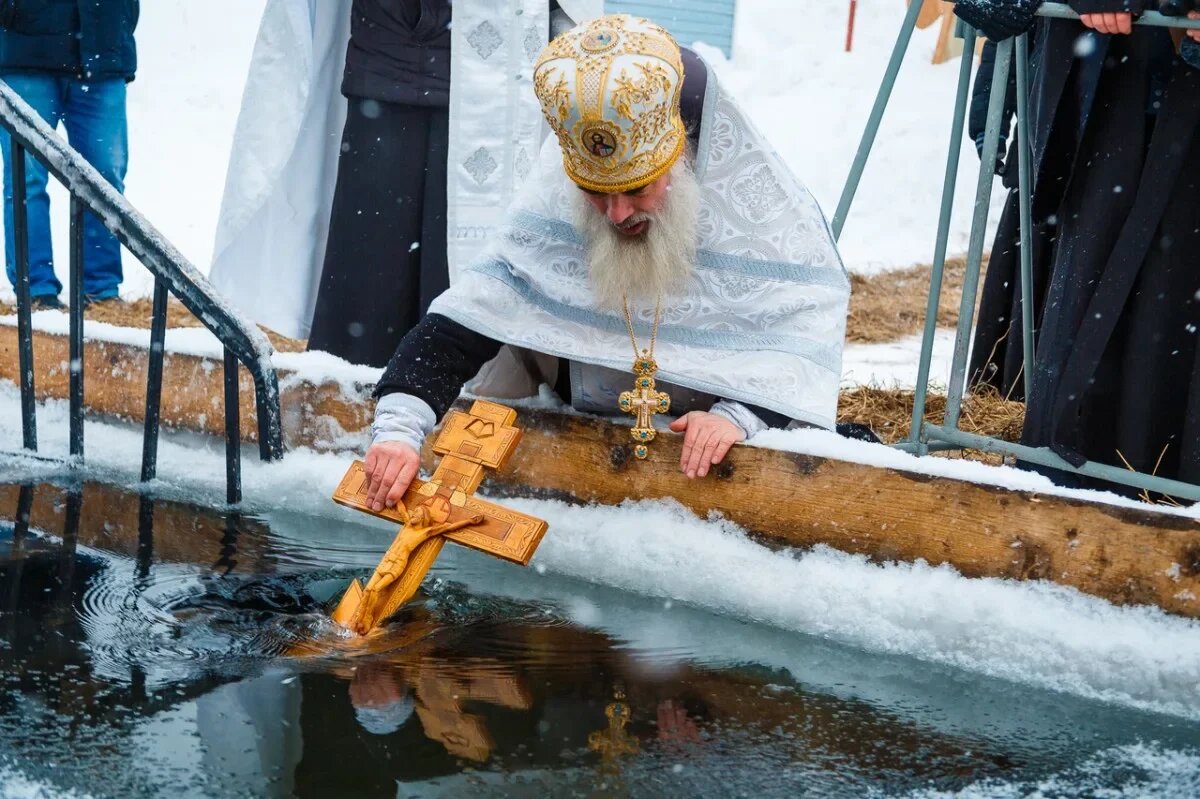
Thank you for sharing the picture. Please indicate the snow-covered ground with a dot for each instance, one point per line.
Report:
(789, 71)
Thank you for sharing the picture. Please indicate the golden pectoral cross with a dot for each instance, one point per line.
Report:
(614, 741)
(440, 509)
(644, 402)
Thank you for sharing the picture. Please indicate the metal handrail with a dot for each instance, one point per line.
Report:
(173, 273)
(925, 436)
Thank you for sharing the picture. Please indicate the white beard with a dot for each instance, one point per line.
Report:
(651, 266)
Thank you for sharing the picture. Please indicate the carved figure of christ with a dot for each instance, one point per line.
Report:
(443, 508)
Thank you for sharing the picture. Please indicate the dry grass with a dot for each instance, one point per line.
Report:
(891, 305)
(889, 413)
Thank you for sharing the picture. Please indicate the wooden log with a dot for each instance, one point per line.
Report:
(1126, 555)
(315, 415)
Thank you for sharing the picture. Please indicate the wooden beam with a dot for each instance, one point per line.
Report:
(315, 415)
(1126, 555)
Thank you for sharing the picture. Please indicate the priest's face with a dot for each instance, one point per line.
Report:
(642, 244)
(632, 212)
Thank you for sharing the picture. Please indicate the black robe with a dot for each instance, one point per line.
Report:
(1116, 246)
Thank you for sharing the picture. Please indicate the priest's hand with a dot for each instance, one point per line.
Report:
(1108, 22)
(707, 438)
(391, 467)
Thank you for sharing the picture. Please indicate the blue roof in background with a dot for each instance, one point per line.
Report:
(689, 21)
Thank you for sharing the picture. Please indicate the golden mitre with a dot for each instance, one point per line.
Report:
(610, 91)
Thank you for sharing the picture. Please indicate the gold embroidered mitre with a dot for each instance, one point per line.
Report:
(610, 91)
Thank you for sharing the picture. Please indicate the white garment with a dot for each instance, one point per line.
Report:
(270, 240)
(764, 316)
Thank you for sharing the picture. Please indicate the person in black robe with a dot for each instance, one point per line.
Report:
(1115, 165)
(385, 259)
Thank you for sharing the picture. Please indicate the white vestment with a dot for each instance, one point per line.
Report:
(270, 239)
(764, 316)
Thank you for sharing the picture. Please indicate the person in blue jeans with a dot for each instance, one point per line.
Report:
(70, 60)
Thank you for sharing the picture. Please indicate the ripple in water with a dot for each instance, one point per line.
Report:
(176, 622)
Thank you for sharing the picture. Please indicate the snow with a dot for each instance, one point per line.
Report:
(15, 785)
(789, 72)
(1121, 772)
(894, 364)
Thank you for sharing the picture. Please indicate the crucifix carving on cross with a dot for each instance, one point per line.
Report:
(643, 403)
(442, 508)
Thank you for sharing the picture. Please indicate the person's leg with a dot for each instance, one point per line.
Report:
(43, 93)
(368, 295)
(94, 116)
(435, 270)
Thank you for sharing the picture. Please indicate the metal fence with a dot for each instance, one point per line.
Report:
(1010, 54)
(242, 340)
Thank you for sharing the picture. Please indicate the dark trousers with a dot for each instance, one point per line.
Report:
(385, 260)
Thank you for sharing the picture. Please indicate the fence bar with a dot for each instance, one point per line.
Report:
(881, 101)
(1151, 18)
(233, 431)
(1024, 191)
(154, 376)
(983, 194)
(1046, 457)
(30, 133)
(943, 236)
(75, 290)
(24, 301)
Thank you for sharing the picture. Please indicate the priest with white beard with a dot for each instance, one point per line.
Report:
(662, 231)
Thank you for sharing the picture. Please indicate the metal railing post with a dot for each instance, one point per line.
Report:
(172, 273)
(75, 291)
(233, 432)
(154, 375)
(881, 101)
(1024, 191)
(24, 301)
(949, 184)
(983, 194)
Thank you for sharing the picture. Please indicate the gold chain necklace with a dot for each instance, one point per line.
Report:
(644, 401)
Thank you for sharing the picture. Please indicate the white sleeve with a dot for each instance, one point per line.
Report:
(740, 415)
(402, 417)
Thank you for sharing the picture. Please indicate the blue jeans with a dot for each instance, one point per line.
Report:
(93, 113)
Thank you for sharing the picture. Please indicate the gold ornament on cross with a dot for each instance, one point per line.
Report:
(644, 402)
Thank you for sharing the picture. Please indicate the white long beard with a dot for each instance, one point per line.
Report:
(653, 265)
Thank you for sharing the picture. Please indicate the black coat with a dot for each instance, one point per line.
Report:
(1116, 202)
(83, 38)
(399, 52)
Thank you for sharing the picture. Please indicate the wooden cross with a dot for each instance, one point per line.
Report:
(643, 403)
(442, 508)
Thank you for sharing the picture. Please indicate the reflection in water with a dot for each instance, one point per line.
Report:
(156, 648)
(614, 741)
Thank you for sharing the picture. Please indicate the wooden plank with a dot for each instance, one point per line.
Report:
(314, 415)
(1126, 555)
